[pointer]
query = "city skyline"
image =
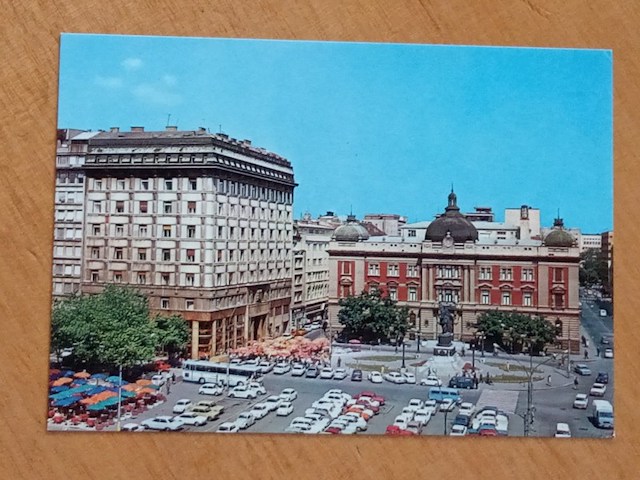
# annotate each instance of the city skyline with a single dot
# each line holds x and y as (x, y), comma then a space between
(343, 113)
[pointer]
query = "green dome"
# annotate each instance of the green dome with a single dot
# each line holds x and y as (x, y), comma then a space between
(559, 237)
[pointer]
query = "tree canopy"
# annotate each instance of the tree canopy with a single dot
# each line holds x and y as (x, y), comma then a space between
(513, 330)
(113, 328)
(594, 268)
(370, 317)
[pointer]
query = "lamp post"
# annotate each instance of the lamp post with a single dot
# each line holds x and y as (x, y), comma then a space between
(119, 397)
(418, 333)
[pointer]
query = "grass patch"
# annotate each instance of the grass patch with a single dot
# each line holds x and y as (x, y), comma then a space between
(512, 379)
(380, 358)
(512, 367)
(365, 368)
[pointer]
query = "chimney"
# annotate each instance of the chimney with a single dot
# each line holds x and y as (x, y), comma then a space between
(137, 129)
(171, 128)
(202, 130)
(115, 129)
(246, 142)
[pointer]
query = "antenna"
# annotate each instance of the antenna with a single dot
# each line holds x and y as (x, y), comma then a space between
(219, 128)
(168, 119)
(451, 187)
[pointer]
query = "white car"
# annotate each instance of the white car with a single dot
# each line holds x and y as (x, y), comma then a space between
(409, 377)
(431, 406)
(132, 427)
(242, 391)
(415, 404)
(375, 377)
(257, 387)
(192, 418)
(298, 370)
(431, 381)
(608, 353)
(285, 408)
(458, 431)
(447, 405)
(288, 395)
(467, 408)
(298, 422)
(423, 416)
(182, 405)
(562, 431)
(581, 401)
(326, 373)
(598, 390)
(340, 374)
(245, 420)
(408, 412)
(318, 426)
(401, 422)
(339, 400)
(210, 389)
(163, 422)
(298, 428)
(357, 420)
(281, 368)
(228, 427)
(346, 427)
(324, 403)
(273, 402)
(259, 410)
(395, 377)
(265, 367)
(158, 380)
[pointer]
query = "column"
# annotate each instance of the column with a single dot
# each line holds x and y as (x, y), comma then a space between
(195, 339)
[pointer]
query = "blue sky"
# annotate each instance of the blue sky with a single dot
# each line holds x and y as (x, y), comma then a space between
(377, 128)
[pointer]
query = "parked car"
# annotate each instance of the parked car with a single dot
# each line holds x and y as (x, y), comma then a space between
(228, 427)
(409, 377)
(210, 389)
(281, 368)
(401, 421)
(415, 427)
(603, 377)
(562, 431)
(158, 380)
(288, 395)
(372, 395)
(273, 402)
(298, 370)
(447, 405)
(394, 377)
(181, 405)
(210, 404)
(242, 391)
(312, 372)
(360, 423)
(205, 411)
(340, 374)
(581, 401)
(458, 430)
(192, 418)
(326, 373)
(285, 408)
(431, 406)
(467, 408)
(163, 422)
(415, 404)
(375, 377)
(245, 420)
(462, 419)
(606, 340)
(608, 353)
(431, 381)
(259, 410)
(423, 416)
(257, 387)
(265, 367)
(582, 369)
(356, 375)
(132, 427)
(395, 430)
(598, 390)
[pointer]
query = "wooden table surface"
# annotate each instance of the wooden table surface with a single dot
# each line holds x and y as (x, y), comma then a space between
(30, 35)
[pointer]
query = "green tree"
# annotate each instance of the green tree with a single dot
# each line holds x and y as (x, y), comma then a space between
(172, 333)
(108, 329)
(513, 330)
(594, 269)
(371, 316)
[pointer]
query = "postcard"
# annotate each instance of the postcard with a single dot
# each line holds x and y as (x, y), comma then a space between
(297, 237)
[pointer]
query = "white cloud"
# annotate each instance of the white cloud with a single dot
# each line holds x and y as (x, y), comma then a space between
(108, 82)
(156, 94)
(132, 63)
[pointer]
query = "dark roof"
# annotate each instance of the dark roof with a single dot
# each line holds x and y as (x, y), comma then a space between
(372, 229)
(558, 236)
(453, 223)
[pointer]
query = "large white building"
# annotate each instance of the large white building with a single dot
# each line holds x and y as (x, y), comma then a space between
(201, 223)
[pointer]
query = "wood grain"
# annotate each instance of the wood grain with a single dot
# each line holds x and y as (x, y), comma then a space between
(28, 78)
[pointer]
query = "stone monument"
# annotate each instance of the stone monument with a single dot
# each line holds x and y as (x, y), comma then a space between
(444, 346)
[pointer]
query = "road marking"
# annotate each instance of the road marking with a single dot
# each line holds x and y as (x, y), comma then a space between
(505, 400)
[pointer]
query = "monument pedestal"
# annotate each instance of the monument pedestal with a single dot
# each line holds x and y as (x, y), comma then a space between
(442, 351)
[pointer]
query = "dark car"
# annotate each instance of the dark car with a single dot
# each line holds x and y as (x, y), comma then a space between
(464, 420)
(606, 340)
(312, 372)
(461, 382)
(356, 375)
(603, 377)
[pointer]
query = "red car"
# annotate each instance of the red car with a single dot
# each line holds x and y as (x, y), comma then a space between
(374, 408)
(367, 393)
(333, 430)
(162, 366)
(395, 430)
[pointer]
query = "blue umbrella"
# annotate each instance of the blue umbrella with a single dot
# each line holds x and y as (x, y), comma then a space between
(59, 389)
(100, 376)
(80, 381)
(67, 373)
(115, 379)
(65, 402)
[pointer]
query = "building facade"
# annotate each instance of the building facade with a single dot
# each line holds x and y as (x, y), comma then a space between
(475, 267)
(201, 223)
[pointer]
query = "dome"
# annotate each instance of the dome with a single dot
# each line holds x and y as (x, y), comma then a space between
(452, 222)
(558, 236)
(351, 231)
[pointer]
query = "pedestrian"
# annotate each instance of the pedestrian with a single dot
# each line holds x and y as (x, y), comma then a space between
(475, 382)
(586, 354)
(597, 351)
(339, 362)
(168, 388)
(480, 377)
(508, 366)
(575, 383)
(549, 380)
(173, 377)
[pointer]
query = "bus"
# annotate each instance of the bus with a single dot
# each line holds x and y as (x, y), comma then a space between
(201, 371)
(439, 394)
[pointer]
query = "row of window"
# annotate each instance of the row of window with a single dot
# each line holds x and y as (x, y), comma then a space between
(69, 197)
(190, 254)
(506, 273)
(69, 178)
(74, 215)
(224, 187)
(393, 270)
(61, 233)
(453, 272)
